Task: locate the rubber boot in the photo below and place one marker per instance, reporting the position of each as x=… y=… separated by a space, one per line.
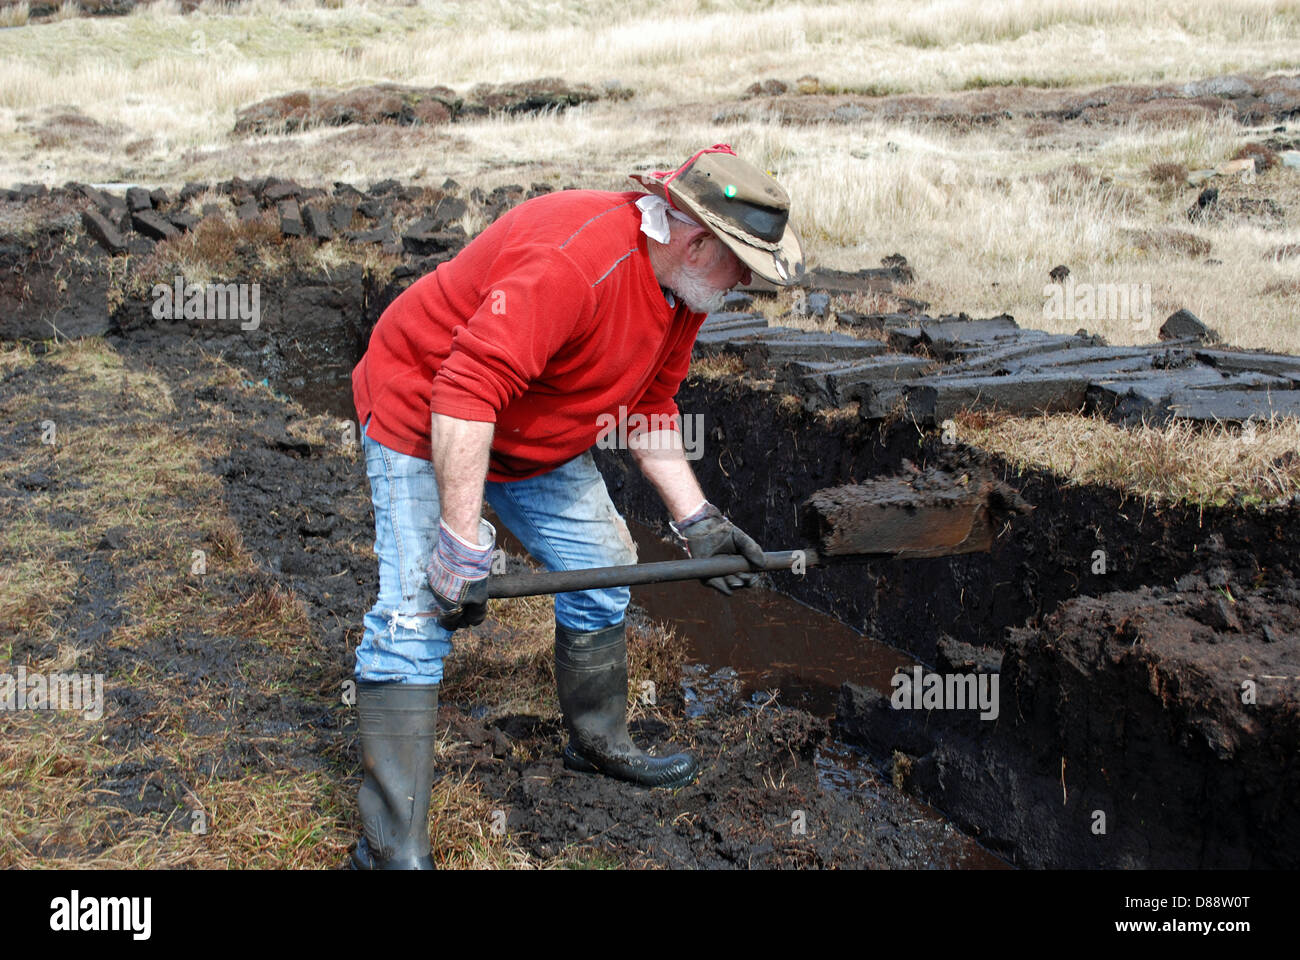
x=397 y=728
x=591 y=675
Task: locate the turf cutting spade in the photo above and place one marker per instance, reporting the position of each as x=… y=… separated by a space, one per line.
x=929 y=514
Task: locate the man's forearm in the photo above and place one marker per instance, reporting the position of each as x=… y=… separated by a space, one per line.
x=460 y=461
x=661 y=458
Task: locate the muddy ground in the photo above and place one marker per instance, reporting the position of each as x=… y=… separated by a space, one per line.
x=301 y=511
x=1121 y=693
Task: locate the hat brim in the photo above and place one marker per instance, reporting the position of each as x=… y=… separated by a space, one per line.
x=783 y=266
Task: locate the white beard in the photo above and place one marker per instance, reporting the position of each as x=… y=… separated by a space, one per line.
x=691 y=289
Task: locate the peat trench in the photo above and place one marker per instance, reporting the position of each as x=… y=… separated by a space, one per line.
x=1121 y=737
x=1147 y=715
x=1120 y=694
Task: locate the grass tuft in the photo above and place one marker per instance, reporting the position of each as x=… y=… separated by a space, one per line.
x=1215 y=465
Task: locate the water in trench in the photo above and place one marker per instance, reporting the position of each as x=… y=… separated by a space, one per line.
x=767 y=640
x=759 y=644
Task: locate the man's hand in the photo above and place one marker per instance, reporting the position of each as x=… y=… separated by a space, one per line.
x=707 y=533
x=458 y=576
x=702 y=527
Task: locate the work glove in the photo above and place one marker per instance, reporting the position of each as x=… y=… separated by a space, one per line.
x=458 y=574
x=707 y=533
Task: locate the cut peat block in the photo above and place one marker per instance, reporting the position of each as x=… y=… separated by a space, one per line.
x=1030 y=349
x=735 y=328
x=1146 y=396
x=784 y=344
x=722 y=328
x=731 y=324
x=1079 y=356
x=944 y=338
x=929 y=514
x=835 y=381
x=879 y=399
x=875 y=322
x=1234 y=406
x=935 y=399
x=152 y=225
x=844 y=283
x=1277 y=364
x=99 y=227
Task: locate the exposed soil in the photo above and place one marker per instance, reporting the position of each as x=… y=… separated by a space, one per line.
x=1177 y=708
x=758 y=803
x=405 y=105
x=1148 y=728
x=1248 y=99
x=1154 y=735
x=1037 y=563
x=757 y=763
x=302 y=511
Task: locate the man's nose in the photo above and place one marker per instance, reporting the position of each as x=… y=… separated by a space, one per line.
x=746 y=277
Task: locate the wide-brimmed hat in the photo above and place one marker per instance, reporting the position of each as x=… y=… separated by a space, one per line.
x=741 y=205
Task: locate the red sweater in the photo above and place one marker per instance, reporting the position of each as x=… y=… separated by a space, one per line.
x=547 y=320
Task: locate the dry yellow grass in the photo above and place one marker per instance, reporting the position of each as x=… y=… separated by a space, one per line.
x=671 y=48
x=979 y=214
x=722 y=366
x=152 y=97
x=54 y=811
x=1207 y=466
x=15 y=15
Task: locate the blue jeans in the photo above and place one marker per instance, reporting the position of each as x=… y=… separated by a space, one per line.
x=564 y=519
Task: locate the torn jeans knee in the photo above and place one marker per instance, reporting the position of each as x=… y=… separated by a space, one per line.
x=402 y=644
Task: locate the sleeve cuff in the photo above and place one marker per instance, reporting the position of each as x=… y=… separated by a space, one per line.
x=487 y=536
x=702 y=512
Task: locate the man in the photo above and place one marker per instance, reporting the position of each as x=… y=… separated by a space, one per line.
x=493 y=376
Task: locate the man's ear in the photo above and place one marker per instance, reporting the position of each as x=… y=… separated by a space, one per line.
x=699 y=248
